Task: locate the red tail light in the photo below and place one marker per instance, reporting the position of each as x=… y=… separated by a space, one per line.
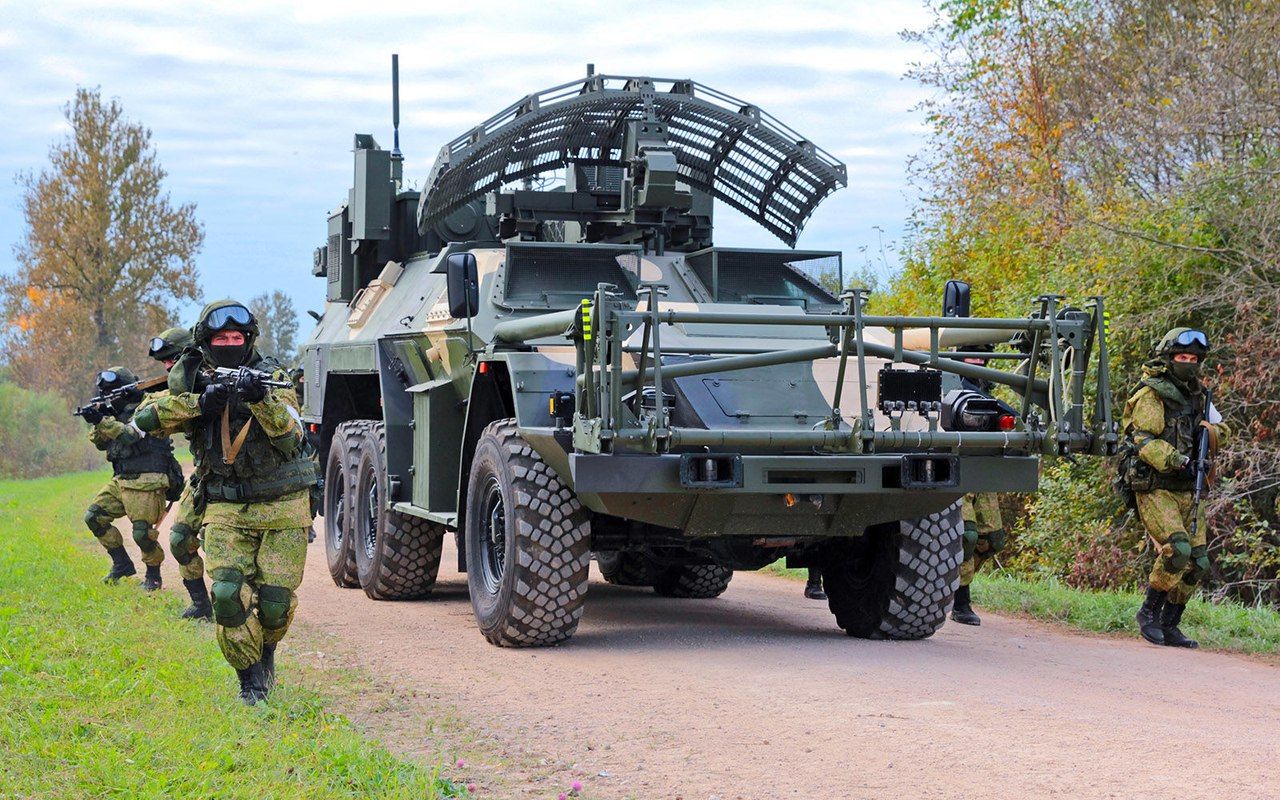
x=484 y=367
x=1007 y=422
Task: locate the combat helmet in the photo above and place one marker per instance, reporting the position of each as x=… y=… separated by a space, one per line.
x=170 y=344
x=1182 y=340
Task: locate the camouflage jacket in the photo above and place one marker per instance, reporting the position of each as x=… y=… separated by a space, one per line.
x=1163 y=424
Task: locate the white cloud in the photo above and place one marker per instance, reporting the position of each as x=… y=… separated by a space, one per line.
x=253 y=105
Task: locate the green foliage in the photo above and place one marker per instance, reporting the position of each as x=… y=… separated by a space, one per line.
x=107 y=693
x=39 y=436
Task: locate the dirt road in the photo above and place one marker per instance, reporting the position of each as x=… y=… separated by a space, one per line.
x=758 y=695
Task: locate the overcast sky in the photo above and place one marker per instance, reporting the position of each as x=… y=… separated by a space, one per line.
x=253 y=105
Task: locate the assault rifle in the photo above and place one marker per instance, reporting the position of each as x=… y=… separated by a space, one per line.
x=106 y=402
x=232 y=375
x=1204 y=443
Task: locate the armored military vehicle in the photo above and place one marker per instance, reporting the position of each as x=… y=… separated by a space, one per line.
x=545 y=352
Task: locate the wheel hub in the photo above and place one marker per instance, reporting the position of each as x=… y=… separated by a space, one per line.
x=493 y=522
x=370 y=532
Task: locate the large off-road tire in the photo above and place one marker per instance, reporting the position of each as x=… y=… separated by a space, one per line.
x=625 y=569
x=898 y=580
x=697 y=581
x=528 y=544
x=397 y=555
x=339 y=476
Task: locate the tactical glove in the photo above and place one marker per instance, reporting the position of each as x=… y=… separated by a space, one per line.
x=249 y=386
x=92 y=415
x=214 y=398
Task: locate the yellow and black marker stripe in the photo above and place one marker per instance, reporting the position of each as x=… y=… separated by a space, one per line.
x=586 y=319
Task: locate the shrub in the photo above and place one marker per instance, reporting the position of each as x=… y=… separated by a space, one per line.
x=38 y=435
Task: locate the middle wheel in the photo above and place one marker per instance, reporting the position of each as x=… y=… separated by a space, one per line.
x=397 y=555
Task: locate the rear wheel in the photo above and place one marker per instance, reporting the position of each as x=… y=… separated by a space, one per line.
x=338 y=475
x=397 y=555
x=625 y=569
x=696 y=581
x=897 y=581
x=527 y=544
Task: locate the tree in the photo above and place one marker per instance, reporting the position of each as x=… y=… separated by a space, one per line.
x=106 y=257
x=277 y=326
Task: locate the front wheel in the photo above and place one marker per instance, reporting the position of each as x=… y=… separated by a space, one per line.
x=338 y=475
x=897 y=580
x=527 y=544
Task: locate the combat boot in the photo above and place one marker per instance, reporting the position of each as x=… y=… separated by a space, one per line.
x=269 y=663
x=1148 y=617
x=962 y=612
x=121 y=565
x=813 y=587
x=151 y=581
x=1170 y=617
x=253 y=684
x=200 y=607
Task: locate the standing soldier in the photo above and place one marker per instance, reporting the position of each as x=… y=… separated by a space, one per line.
x=984 y=536
x=254 y=478
x=184 y=536
x=1162 y=422
x=141 y=468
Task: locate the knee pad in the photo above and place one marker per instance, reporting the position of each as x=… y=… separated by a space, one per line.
x=181 y=537
x=970 y=540
x=996 y=540
x=1177 y=553
x=97 y=520
x=273 y=606
x=228 y=609
x=142 y=536
x=1199 y=565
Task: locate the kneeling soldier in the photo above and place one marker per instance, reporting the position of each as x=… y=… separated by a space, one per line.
x=255 y=478
x=141 y=467
x=1162 y=422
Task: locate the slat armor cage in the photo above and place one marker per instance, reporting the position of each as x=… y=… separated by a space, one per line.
x=724 y=146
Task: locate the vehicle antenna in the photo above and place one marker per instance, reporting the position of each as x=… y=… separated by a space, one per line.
x=397 y=158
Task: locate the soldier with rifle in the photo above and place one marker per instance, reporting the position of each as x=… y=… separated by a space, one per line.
x=184 y=535
x=253 y=482
x=1171 y=431
x=143 y=475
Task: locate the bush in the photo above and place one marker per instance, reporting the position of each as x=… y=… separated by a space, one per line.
x=38 y=435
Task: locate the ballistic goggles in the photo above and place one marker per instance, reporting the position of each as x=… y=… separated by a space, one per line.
x=226 y=316
x=1189 y=338
x=107 y=377
x=157 y=346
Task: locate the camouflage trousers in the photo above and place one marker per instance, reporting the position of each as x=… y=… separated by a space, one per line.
x=1181 y=560
x=984 y=533
x=142 y=500
x=255 y=574
x=184 y=537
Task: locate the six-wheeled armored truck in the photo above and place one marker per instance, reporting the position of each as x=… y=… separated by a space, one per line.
x=545 y=353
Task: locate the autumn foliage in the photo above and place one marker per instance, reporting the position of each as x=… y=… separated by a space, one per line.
x=1127 y=148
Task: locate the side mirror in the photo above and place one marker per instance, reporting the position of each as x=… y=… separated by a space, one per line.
x=463 y=285
x=955 y=299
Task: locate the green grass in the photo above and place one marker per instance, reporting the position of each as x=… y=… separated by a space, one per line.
x=1218 y=626
x=106 y=693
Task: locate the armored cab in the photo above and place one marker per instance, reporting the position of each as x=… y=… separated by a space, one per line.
x=546 y=353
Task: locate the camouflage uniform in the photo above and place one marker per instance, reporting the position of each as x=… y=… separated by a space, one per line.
x=184 y=534
x=1162 y=420
x=984 y=536
x=141 y=467
x=257 y=508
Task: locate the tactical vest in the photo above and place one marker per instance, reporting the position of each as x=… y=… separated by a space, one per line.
x=260 y=472
x=148 y=454
x=1182 y=417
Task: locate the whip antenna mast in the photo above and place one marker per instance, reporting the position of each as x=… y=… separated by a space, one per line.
x=397 y=158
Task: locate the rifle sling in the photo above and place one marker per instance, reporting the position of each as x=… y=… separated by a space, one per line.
x=230 y=449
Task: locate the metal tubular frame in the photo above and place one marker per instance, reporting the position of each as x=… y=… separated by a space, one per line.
x=602 y=381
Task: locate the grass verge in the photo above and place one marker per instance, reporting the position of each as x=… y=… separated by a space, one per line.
x=1218 y=626
x=106 y=693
